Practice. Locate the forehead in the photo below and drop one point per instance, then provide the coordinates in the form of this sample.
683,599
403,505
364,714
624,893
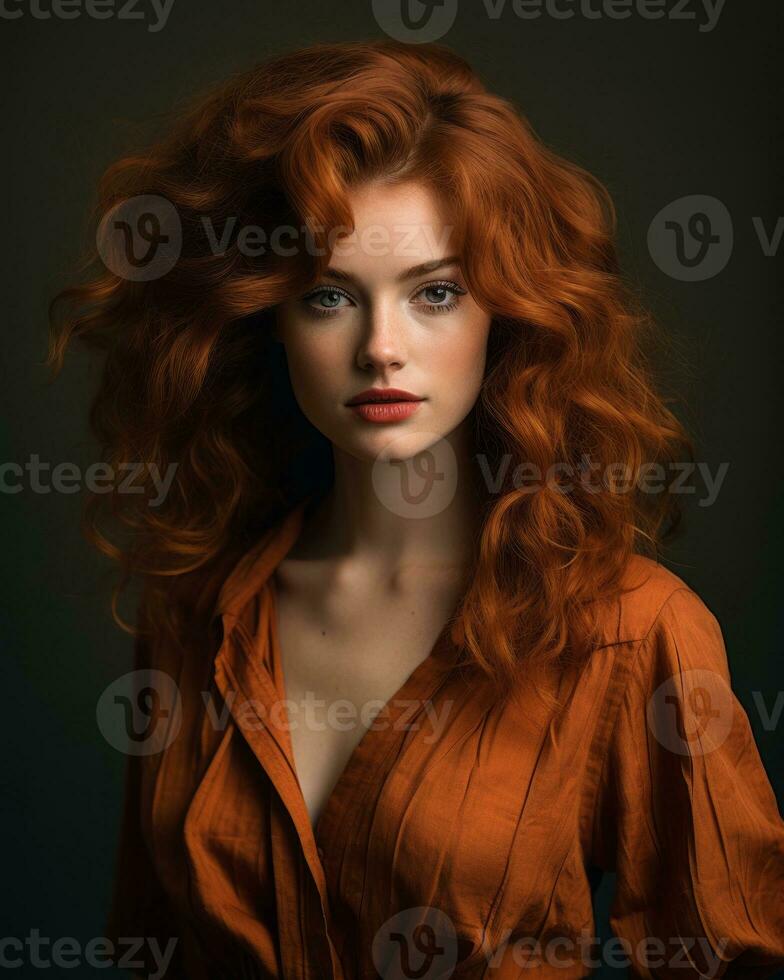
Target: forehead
396,226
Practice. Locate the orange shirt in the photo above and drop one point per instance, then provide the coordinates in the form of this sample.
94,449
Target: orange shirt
463,839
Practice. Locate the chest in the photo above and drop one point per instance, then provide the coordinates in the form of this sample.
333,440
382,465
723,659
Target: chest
340,662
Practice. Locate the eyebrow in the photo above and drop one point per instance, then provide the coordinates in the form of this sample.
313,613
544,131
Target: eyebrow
415,270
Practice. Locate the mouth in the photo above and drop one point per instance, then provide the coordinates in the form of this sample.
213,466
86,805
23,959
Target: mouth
384,405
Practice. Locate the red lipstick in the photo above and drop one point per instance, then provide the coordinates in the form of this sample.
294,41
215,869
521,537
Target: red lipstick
384,404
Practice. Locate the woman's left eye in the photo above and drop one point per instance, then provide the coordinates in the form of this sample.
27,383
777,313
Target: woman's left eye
437,293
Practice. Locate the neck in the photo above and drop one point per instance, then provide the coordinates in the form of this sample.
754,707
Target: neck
424,509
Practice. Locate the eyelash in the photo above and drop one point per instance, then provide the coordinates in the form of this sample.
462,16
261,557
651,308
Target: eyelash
435,308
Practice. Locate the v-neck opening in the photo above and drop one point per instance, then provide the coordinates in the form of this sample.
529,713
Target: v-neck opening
421,682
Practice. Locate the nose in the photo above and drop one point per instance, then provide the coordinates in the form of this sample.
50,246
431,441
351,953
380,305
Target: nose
383,344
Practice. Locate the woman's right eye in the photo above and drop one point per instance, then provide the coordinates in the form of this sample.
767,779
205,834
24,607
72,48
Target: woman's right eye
326,299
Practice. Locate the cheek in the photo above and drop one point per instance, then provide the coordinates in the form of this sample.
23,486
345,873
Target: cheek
460,361
310,356
315,365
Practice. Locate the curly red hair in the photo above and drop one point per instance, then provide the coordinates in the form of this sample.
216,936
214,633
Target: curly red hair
190,375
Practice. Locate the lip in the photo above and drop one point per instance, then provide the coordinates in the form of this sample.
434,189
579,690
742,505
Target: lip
384,404
370,395
386,411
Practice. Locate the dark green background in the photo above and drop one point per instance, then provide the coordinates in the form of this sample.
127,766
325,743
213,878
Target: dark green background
656,109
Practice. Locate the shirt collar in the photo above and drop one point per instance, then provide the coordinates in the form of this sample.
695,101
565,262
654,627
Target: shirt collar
257,565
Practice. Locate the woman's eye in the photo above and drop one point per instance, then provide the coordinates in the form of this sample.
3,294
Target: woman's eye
326,300
329,298
441,296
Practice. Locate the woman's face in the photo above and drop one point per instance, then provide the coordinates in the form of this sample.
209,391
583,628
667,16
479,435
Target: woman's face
377,319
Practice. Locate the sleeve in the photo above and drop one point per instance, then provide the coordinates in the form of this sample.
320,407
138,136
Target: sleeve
686,816
141,922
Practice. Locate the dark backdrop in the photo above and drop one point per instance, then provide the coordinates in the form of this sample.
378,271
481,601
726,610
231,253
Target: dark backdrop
659,109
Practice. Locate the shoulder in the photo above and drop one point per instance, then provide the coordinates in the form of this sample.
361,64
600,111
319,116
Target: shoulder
668,645
652,601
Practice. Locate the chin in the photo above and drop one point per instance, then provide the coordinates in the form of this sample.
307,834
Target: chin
394,443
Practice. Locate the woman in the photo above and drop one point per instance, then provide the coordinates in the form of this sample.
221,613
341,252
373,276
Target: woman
422,679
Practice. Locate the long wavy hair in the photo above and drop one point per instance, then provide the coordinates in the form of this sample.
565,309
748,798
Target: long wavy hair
191,377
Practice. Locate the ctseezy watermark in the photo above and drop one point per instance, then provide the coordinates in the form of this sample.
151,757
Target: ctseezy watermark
67,952
135,10
42,477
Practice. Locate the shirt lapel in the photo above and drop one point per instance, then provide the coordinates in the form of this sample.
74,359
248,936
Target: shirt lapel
249,691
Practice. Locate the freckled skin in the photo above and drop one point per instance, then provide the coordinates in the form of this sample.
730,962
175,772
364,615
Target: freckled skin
385,336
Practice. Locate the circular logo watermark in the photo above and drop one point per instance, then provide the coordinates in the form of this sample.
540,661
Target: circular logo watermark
691,239
140,238
418,942
140,713
419,485
415,21
691,713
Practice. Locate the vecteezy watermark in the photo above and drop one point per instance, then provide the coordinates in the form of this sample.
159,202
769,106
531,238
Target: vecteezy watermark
43,477
415,21
770,719
615,477
140,713
414,482
154,12
423,942
691,713
417,942
704,12
66,952
652,952
415,475
140,238
691,239
419,21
